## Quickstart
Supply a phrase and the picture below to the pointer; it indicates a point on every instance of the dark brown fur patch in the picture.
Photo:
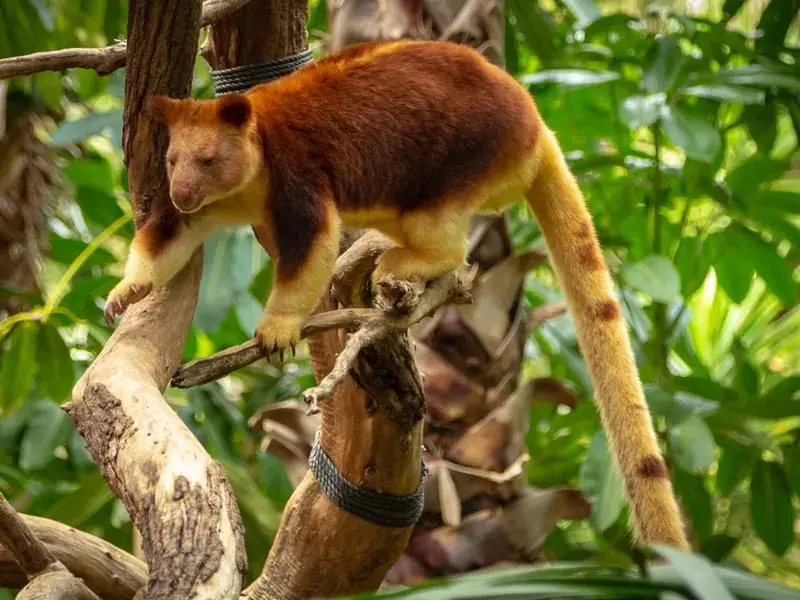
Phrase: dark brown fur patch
(652, 467)
(235, 109)
(606, 310)
(590, 256)
(584, 230)
(161, 226)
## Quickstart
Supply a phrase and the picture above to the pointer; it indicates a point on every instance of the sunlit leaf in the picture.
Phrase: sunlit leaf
(585, 11)
(691, 132)
(725, 93)
(665, 63)
(698, 574)
(771, 506)
(639, 111)
(73, 132)
(656, 276)
(572, 78)
(693, 445)
(769, 265)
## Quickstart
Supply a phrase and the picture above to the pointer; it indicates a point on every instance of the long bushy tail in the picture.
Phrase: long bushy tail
(575, 254)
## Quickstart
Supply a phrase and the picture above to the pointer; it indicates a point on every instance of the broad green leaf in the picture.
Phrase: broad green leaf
(780, 201)
(639, 111)
(536, 27)
(18, 365)
(665, 62)
(693, 445)
(570, 78)
(735, 464)
(761, 121)
(771, 506)
(47, 430)
(781, 401)
(745, 179)
(757, 75)
(91, 172)
(57, 375)
(734, 276)
(725, 93)
(218, 285)
(719, 546)
(98, 206)
(677, 407)
(691, 132)
(769, 265)
(601, 482)
(83, 503)
(778, 226)
(774, 24)
(730, 8)
(248, 311)
(696, 500)
(656, 276)
(74, 132)
(793, 468)
(697, 572)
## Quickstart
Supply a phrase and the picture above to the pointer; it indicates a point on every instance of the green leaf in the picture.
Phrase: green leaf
(719, 546)
(725, 93)
(770, 266)
(57, 374)
(781, 401)
(639, 111)
(665, 64)
(656, 276)
(47, 430)
(74, 132)
(691, 132)
(18, 365)
(585, 11)
(91, 172)
(774, 25)
(84, 502)
(677, 407)
(693, 445)
(569, 78)
(730, 8)
(697, 572)
(601, 482)
(536, 27)
(793, 468)
(757, 75)
(251, 501)
(771, 506)
(761, 121)
(696, 501)
(733, 275)
(780, 201)
(511, 48)
(777, 225)
(98, 206)
(735, 464)
(745, 179)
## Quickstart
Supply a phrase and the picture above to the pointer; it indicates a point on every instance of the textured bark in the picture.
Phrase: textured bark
(178, 498)
(372, 430)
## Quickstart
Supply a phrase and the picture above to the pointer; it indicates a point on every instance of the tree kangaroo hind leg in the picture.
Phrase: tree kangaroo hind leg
(304, 267)
(435, 243)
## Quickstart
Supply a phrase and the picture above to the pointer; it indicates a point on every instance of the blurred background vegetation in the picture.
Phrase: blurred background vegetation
(681, 120)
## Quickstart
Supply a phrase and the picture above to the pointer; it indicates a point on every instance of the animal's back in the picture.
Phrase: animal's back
(401, 124)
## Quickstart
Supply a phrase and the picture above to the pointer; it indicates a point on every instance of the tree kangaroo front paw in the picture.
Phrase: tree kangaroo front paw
(277, 332)
(123, 295)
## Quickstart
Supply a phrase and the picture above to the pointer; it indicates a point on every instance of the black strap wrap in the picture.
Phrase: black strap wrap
(377, 508)
(241, 79)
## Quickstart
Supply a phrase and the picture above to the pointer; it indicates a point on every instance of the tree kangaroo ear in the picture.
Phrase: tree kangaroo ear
(234, 109)
(162, 109)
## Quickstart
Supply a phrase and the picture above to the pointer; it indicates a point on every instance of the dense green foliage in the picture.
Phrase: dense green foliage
(683, 132)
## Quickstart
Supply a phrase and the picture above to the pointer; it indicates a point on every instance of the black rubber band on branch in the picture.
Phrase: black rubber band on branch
(387, 510)
(241, 79)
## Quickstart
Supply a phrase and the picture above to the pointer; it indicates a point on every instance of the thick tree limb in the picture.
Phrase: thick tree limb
(102, 60)
(176, 495)
(49, 578)
(108, 571)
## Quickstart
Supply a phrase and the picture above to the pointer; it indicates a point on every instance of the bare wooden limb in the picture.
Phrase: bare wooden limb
(177, 496)
(108, 571)
(102, 60)
(204, 370)
(49, 578)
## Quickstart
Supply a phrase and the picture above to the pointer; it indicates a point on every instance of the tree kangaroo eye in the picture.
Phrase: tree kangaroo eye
(207, 162)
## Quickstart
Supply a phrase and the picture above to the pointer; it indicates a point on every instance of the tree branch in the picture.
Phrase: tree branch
(49, 578)
(102, 60)
(177, 496)
(108, 571)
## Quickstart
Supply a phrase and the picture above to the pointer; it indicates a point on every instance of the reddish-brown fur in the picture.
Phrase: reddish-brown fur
(411, 138)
